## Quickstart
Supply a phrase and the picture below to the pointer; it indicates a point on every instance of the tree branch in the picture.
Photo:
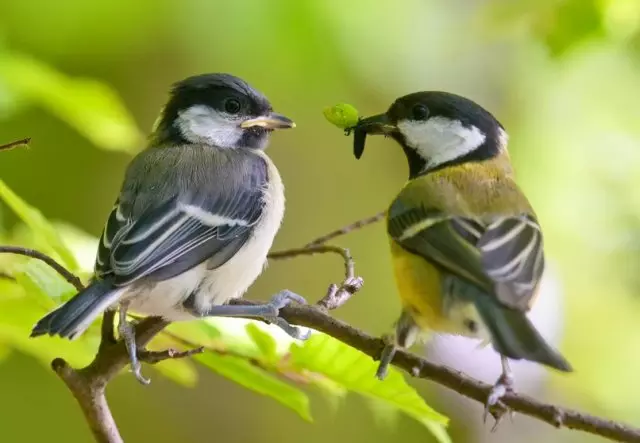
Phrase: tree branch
(347, 229)
(456, 380)
(64, 272)
(336, 295)
(88, 384)
(16, 144)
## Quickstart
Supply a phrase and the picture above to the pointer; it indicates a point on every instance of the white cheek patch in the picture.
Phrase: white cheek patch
(440, 140)
(202, 124)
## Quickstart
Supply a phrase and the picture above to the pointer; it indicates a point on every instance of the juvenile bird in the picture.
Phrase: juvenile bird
(466, 246)
(195, 218)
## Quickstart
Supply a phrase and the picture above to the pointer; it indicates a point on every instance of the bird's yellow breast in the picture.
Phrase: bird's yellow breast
(420, 289)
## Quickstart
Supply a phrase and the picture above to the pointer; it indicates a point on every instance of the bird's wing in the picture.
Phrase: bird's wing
(503, 256)
(182, 232)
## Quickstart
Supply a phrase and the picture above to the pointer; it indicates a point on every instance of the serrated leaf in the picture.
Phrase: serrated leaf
(251, 377)
(91, 107)
(39, 225)
(233, 331)
(438, 430)
(265, 342)
(355, 371)
(181, 371)
(38, 279)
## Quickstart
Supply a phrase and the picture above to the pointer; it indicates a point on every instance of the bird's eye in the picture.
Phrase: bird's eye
(232, 106)
(420, 112)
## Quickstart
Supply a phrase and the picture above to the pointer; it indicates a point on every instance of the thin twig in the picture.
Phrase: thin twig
(347, 229)
(153, 357)
(16, 144)
(64, 272)
(336, 295)
(88, 384)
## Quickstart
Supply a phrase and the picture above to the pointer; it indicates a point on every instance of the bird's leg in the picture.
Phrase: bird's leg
(503, 385)
(386, 357)
(406, 332)
(127, 333)
(268, 311)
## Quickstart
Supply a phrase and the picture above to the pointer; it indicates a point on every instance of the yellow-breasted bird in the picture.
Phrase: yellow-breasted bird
(466, 247)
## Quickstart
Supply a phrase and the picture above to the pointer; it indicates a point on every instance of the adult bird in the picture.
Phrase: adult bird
(197, 213)
(466, 245)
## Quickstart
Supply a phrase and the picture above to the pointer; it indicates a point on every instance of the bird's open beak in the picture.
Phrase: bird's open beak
(271, 121)
(377, 124)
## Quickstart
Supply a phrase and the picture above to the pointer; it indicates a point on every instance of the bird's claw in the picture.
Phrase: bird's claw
(137, 372)
(283, 299)
(280, 301)
(293, 331)
(494, 405)
(128, 334)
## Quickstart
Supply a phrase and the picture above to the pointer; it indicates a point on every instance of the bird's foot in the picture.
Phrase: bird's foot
(494, 405)
(127, 333)
(386, 356)
(279, 301)
(269, 312)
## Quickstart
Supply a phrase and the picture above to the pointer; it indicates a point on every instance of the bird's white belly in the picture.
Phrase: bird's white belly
(216, 286)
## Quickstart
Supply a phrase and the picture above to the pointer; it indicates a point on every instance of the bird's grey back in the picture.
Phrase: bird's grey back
(190, 172)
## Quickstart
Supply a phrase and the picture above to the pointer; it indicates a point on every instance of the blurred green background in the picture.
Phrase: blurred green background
(563, 76)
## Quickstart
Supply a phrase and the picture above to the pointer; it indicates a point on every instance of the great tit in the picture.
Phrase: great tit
(195, 218)
(466, 246)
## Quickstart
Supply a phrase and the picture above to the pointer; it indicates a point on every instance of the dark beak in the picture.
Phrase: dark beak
(271, 121)
(377, 124)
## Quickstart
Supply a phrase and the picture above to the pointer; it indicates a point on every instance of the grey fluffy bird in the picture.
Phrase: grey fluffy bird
(196, 216)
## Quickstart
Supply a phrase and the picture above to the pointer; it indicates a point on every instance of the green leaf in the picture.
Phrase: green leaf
(355, 371)
(384, 413)
(5, 351)
(235, 335)
(265, 342)
(39, 225)
(251, 377)
(37, 278)
(342, 115)
(17, 317)
(438, 430)
(91, 107)
(180, 371)
(82, 245)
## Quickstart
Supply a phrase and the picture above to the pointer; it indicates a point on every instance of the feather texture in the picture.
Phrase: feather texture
(498, 249)
(188, 220)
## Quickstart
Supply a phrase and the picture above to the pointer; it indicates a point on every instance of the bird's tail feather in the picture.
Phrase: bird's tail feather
(514, 336)
(74, 317)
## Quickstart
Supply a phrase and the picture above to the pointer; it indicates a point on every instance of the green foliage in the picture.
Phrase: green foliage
(258, 357)
(247, 374)
(50, 240)
(91, 107)
(353, 370)
(39, 280)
